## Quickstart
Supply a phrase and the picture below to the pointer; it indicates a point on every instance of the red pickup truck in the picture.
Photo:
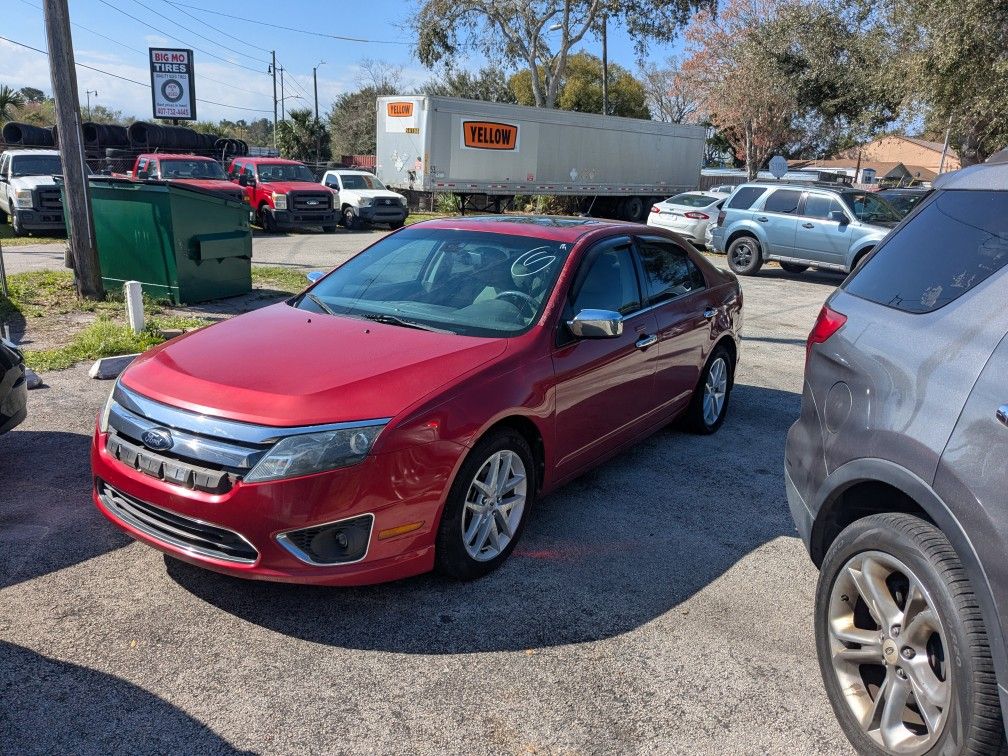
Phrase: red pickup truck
(188, 170)
(284, 194)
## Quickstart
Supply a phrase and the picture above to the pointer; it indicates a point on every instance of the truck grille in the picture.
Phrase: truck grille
(194, 536)
(49, 199)
(311, 201)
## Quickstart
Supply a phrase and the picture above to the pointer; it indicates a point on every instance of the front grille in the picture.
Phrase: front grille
(311, 201)
(49, 199)
(194, 536)
(169, 469)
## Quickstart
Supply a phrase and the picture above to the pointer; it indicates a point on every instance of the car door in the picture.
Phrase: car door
(819, 238)
(676, 291)
(779, 220)
(604, 386)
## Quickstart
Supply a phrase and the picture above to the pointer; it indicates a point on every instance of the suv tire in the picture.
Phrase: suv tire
(744, 256)
(464, 506)
(912, 578)
(709, 405)
(793, 268)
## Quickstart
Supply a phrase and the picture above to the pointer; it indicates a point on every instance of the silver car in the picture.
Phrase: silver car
(896, 478)
(687, 214)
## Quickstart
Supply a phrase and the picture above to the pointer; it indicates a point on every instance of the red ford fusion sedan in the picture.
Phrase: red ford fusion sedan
(405, 411)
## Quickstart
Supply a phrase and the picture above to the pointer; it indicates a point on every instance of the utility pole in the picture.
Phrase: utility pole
(948, 131)
(318, 136)
(88, 93)
(63, 75)
(605, 67)
(273, 71)
(283, 100)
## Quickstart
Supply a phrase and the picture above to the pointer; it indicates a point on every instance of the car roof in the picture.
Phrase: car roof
(273, 160)
(30, 152)
(561, 229)
(357, 171)
(179, 155)
(992, 175)
(697, 192)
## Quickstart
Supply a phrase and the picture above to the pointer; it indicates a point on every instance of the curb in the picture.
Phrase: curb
(110, 367)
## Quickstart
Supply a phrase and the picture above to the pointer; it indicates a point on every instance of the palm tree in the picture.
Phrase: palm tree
(10, 101)
(301, 135)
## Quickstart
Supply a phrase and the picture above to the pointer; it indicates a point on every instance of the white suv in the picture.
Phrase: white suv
(364, 200)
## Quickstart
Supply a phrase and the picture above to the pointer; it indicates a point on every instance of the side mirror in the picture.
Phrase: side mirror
(839, 216)
(314, 275)
(596, 324)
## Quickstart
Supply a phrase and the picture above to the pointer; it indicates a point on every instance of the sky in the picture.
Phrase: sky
(232, 55)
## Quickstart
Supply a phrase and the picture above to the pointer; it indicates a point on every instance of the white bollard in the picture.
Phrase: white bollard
(134, 305)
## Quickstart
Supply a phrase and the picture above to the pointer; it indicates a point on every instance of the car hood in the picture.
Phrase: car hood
(283, 366)
(31, 182)
(282, 187)
(372, 193)
(214, 185)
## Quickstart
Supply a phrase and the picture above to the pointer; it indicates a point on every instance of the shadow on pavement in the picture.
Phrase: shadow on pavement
(611, 551)
(47, 520)
(49, 706)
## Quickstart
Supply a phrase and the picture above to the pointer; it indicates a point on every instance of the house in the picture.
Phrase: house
(869, 171)
(910, 151)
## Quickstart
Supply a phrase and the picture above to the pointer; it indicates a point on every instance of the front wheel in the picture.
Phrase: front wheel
(486, 509)
(744, 256)
(266, 220)
(16, 226)
(709, 406)
(351, 221)
(901, 643)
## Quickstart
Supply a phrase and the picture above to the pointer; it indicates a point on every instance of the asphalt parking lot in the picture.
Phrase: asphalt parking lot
(660, 604)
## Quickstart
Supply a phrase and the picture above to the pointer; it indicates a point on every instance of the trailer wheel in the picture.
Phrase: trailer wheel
(634, 209)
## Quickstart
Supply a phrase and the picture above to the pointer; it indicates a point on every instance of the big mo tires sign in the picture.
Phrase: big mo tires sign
(173, 86)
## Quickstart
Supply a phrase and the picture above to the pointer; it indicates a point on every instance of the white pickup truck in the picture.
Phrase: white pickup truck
(364, 200)
(28, 190)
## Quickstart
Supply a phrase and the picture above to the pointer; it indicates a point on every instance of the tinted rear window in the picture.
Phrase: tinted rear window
(744, 198)
(953, 244)
(692, 200)
(783, 201)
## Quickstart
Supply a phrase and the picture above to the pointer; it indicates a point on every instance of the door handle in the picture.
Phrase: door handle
(808, 225)
(762, 218)
(709, 313)
(1002, 414)
(645, 341)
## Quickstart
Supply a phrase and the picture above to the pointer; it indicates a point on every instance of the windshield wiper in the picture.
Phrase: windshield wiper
(394, 320)
(329, 310)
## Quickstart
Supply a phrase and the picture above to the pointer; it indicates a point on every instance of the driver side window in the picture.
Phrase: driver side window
(610, 283)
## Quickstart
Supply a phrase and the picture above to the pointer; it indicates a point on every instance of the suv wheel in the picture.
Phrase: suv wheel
(793, 268)
(487, 506)
(744, 256)
(901, 644)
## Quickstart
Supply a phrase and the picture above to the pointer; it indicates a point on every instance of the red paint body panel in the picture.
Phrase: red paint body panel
(282, 366)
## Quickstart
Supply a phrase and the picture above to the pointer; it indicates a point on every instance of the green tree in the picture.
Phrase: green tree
(9, 102)
(581, 88)
(301, 137)
(351, 118)
(539, 34)
(31, 94)
(489, 84)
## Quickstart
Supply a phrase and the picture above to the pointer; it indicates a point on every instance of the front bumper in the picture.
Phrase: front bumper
(397, 488)
(40, 220)
(383, 213)
(305, 219)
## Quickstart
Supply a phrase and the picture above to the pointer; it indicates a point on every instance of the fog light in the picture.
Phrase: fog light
(339, 542)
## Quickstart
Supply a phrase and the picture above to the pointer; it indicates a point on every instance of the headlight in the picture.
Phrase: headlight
(103, 418)
(23, 199)
(279, 201)
(315, 452)
(366, 202)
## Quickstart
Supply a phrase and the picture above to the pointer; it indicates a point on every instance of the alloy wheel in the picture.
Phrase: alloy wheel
(888, 652)
(742, 254)
(715, 389)
(494, 505)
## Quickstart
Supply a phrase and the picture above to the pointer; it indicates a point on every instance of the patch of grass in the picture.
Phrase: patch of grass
(279, 278)
(37, 293)
(103, 338)
(9, 240)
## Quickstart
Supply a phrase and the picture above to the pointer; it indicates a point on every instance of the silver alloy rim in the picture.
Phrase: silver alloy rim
(887, 648)
(494, 505)
(714, 391)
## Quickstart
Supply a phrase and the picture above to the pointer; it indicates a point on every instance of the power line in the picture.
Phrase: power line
(131, 81)
(145, 53)
(177, 39)
(288, 28)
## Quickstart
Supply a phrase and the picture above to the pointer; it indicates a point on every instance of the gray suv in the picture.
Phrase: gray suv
(897, 478)
(800, 225)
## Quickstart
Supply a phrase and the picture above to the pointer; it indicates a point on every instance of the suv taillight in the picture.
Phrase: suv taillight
(720, 217)
(828, 323)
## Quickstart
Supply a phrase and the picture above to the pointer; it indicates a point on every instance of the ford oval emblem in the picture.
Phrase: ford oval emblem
(157, 439)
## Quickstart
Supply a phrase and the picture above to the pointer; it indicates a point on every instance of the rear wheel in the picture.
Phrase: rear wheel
(486, 509)
(709, 406)
(794, 268)
(901, 643)
(744, 256)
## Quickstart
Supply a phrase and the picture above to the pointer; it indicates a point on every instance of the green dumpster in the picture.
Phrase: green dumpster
(181, 243)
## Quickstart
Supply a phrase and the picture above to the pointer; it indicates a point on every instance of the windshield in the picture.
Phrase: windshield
(36, 165)
(693, 200)
(465, 282)
(360, 181)
(192, 169)
(284, 172)
(903, 203)
(870, 208)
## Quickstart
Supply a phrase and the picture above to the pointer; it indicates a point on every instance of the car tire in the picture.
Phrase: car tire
(899, 559)
(793, 268)
(351, 221)
(469, 509)
(744, 256)
(16, 226)
(709, 405)
(3, 217)
(266, 220)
